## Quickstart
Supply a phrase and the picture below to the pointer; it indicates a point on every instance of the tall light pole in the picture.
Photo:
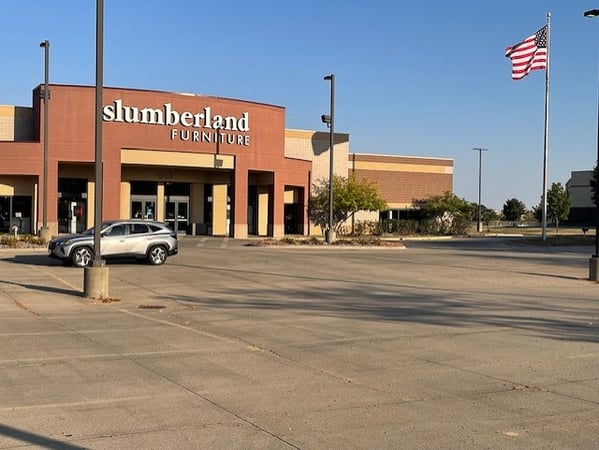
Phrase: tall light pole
(45, 232)
(479, 224)
(98, 134)
(594, 260)
(330, 121)
(95, 280)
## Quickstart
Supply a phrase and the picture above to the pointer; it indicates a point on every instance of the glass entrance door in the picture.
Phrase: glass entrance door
(177, 213)
(143, 207)
(176, 206)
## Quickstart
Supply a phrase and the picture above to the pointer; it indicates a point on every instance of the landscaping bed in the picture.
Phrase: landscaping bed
(21, 241)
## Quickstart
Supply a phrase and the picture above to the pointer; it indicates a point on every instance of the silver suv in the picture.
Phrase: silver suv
(140, 239)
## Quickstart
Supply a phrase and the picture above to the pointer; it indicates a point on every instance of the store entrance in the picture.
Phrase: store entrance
(72, 205)
(252, 210)
(15, 211)
(143, 200)
(177, 213)
(176, 206)
(143, 207)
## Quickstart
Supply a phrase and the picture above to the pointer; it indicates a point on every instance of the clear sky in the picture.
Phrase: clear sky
(412, 78)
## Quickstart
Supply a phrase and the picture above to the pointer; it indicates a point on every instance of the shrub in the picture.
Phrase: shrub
(22, 240)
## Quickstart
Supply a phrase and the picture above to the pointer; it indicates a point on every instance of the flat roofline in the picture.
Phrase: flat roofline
(401, 156)
(152, 91)
(297, 130)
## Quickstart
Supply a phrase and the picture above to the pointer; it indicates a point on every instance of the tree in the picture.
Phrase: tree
(451, 213)
(558, 204)
(513, 209)
(537, 211)
(487, 215)
(349, 197)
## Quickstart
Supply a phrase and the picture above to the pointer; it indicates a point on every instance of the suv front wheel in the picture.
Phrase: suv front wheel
(157, 255)
(82, 256)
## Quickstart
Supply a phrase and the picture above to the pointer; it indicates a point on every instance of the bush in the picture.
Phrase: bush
(403, 227)
(21, 241)
(367, 228)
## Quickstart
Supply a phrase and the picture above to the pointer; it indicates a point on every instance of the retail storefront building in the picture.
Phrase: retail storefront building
(207, 165)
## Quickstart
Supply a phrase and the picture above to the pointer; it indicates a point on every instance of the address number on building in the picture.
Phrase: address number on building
(165, 176)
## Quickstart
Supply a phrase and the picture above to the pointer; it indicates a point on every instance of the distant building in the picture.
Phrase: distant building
(582, 209)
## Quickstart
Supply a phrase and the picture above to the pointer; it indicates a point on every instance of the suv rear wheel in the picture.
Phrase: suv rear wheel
(82, 256)
(157, 255)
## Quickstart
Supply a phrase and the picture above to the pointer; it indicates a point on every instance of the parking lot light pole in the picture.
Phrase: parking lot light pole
(594, 260)
(479, 224)
(95, 282)
(45, 232)
(330, 121)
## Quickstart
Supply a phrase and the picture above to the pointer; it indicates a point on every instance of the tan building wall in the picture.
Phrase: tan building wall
(400, 179)
(314, 146)
(403, 179)
(16, 123)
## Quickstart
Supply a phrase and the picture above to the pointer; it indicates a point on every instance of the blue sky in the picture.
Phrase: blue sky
(412, 78)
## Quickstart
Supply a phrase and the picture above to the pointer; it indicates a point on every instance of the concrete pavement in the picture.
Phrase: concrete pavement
(454, 344)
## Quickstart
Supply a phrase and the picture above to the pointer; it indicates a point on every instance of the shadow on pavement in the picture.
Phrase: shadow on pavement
(35, 260)
(45, 260)
(35, 439)
(43, 288)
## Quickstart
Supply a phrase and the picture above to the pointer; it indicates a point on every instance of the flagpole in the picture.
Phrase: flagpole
(546, 137)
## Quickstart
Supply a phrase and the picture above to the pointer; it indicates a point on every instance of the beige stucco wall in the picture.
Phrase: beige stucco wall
(15, 123)
(219, 209)
(125, 200)
(91, 204)
(178, 159)
(17, 185)
(263, 210)
(314, 146)
(196, 213)
(160, 202)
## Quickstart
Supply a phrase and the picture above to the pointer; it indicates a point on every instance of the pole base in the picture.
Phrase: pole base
(45, 234)
(329, 236)
(594, 268)
(95, 282)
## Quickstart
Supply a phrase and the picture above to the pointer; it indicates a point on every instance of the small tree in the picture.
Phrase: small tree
(487, 215)
(558, 204)
(349, 197)
(513, 209)
(451, 213)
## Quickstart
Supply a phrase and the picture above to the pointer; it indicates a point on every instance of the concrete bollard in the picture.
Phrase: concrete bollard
(594, 268)
(95, 282)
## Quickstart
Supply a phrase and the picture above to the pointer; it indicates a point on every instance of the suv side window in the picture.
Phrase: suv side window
(117, 230)
(138, 228)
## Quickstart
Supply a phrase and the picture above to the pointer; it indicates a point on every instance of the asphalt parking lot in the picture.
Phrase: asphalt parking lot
(474, 343)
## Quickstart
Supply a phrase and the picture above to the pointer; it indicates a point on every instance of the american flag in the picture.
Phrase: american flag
(528, 55)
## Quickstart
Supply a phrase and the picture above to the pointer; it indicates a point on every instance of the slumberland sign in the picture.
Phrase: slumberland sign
(201, 126)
